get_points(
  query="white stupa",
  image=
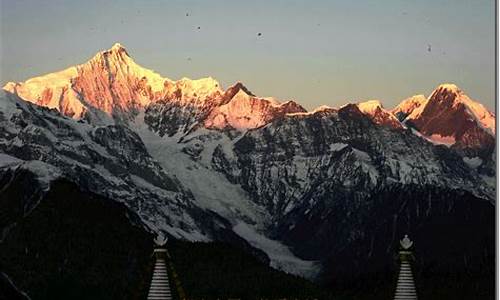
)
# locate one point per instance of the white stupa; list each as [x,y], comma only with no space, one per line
[405,289]
[160,286]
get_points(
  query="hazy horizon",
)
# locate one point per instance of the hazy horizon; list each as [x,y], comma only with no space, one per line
[329,53]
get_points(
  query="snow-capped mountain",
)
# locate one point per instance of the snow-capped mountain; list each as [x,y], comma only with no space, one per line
[403,109]
[111,82]
[245,111]
[109,160]
[378,114]
[450,117]
[202,163]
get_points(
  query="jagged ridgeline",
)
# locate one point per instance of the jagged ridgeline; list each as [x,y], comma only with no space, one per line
[324,194]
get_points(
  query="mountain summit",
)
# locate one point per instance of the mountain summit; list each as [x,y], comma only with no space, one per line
[450,117]
[110,81]
[194,161]
[403,109]
[378,114]
[113,83]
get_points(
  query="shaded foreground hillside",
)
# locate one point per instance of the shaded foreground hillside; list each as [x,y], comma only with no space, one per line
[454,235]
[74,245]
[77,245]
[221,271]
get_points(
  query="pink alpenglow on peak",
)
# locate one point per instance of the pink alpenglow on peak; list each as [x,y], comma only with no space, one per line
[448,87]
[118,47]
[53,91]
[378,114]
[407,106]
[370,106]
[198,90]
[323,109]
[112,83]
[482,115]
[449,116]
[244,111]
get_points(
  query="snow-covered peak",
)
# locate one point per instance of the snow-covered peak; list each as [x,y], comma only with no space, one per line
[207,83]
[450,114]
[118,47]
[116,54]
[448,88]
[481,114]
[449,93]
[117,60]
[113,83]
[408,105]
[198,88]
[370,107]
[242,95]
[110,82]
[323,108]
[33,89]
[378,114]
[52,90]
[234,89]
[447,98]
[319,109]
[244,111]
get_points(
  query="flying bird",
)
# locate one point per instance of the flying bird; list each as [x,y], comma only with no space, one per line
[429,47]
[259,34]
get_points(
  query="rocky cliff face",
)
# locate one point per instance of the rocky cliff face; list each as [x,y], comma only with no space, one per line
[202,163]
[378,114]
[285,163]
[111,82]
[108,160]
[450,117]
[407,106]
[245,111]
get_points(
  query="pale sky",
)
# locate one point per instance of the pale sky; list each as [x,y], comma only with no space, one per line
[313,52]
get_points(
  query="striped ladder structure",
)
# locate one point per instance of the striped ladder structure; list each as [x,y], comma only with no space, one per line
[405,289]
[160,287]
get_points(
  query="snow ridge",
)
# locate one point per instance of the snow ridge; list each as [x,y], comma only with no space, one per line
[180,152]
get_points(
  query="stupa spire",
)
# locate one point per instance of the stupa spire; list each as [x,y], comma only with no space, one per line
[405,289]
[160,286]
